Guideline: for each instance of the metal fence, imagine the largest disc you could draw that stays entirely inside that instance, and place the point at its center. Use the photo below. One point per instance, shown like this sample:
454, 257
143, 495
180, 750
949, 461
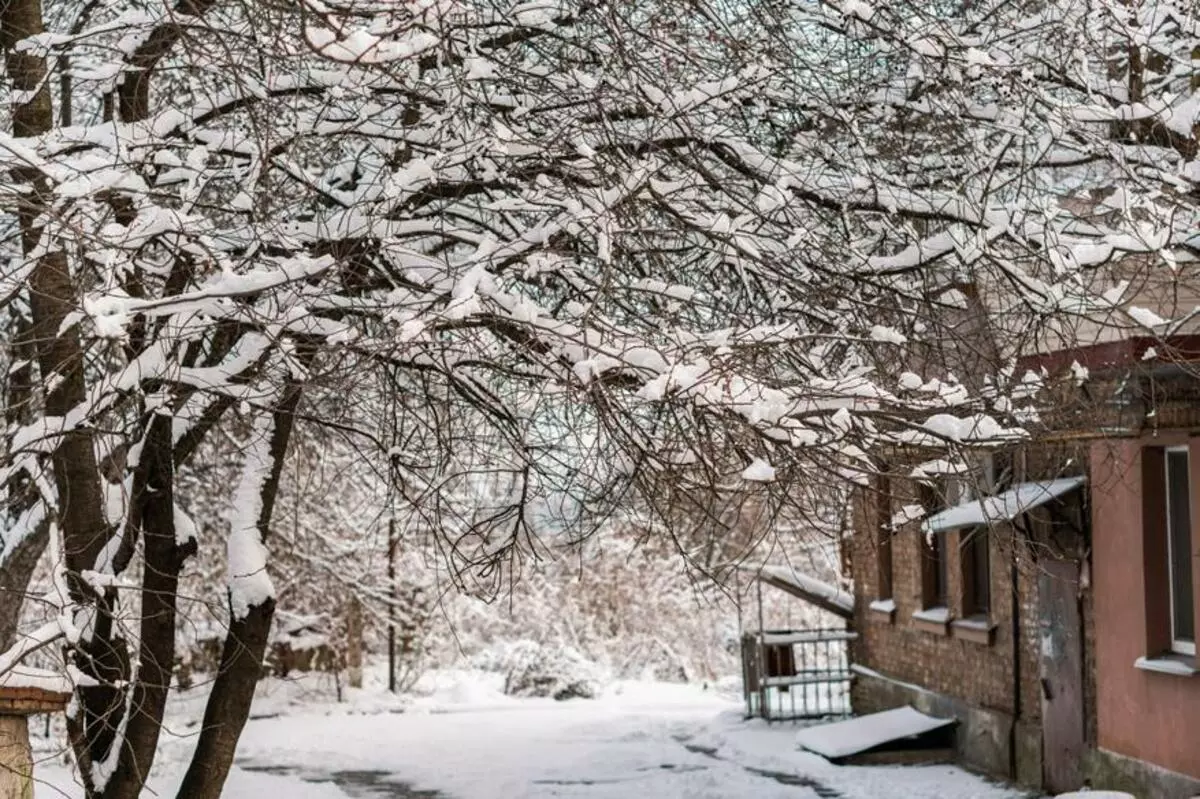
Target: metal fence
790, 675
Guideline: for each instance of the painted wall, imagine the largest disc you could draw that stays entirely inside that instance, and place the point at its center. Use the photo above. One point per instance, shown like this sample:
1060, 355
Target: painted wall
1145, 715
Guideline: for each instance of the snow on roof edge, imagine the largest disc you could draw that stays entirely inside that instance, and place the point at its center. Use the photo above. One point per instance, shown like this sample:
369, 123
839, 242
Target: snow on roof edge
38, 679
1002, 507
804, 586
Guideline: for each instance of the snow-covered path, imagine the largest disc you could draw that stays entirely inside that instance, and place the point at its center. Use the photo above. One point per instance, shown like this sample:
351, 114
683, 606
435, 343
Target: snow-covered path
610, 748
466, 741
637, 741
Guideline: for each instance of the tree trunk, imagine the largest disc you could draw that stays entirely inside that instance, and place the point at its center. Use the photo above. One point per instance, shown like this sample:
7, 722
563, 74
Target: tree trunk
15, 574
164, 558
245, 644
27, 532
52, 296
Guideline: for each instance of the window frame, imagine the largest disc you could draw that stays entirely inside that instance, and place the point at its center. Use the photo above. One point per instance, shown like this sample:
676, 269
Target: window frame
975, 548
935, 571
1179, 646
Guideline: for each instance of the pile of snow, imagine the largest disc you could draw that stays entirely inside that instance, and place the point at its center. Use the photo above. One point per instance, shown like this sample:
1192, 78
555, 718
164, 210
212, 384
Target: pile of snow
22, 676
560, 672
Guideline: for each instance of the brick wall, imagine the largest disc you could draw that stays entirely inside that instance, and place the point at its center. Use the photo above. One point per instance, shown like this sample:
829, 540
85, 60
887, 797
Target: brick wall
904, 649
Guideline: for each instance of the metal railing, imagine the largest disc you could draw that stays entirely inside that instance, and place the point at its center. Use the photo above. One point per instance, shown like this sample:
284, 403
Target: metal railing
792, 675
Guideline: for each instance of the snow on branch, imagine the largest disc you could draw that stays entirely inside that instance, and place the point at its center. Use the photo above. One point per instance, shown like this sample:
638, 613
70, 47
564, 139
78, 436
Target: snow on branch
249, 583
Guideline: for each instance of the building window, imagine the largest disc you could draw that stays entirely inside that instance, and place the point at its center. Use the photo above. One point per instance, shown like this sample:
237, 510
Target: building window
939, 573
976, 572
935, 584
1179, 550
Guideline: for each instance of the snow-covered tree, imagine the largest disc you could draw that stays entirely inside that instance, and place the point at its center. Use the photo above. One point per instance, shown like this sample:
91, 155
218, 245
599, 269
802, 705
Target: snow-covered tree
525, 255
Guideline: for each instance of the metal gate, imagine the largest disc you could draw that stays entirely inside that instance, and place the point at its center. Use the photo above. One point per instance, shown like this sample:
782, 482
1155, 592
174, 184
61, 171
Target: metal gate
791, 675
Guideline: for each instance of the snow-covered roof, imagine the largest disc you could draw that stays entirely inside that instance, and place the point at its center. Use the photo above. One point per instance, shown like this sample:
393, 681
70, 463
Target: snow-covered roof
39, 679
822, 594
1001, 507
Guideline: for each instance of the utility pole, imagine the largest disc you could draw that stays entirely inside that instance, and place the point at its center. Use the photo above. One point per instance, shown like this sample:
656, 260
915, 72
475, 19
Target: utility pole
391, 573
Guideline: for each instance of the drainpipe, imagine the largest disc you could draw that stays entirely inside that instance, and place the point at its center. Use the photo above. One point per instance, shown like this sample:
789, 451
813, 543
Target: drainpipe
1015, 577
1019, 532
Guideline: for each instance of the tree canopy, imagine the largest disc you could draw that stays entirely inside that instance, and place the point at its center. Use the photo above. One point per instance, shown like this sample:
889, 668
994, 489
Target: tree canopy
572, 245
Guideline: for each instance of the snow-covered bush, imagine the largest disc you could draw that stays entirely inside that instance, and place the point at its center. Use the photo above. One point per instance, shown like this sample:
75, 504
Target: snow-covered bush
560, 672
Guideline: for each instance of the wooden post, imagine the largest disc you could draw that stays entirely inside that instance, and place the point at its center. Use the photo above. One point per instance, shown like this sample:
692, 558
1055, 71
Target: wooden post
354, 643
23, 692
16, 758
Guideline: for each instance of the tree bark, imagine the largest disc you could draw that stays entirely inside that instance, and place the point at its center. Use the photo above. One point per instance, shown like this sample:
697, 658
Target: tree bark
79, 512
133, 97
245, 644
16, 569
164, 557
15, 574
52, 298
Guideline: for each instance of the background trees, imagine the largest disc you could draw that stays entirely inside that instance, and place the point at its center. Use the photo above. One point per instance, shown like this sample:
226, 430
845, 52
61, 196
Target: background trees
523, 260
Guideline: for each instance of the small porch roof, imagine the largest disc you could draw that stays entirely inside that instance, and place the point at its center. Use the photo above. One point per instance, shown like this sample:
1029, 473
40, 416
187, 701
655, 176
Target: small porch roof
25, 690
810, 589
1003, 507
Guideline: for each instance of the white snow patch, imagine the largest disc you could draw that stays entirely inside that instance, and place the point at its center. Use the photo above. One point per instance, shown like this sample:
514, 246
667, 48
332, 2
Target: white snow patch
1145, 317
249, 583
889, 335
759, 471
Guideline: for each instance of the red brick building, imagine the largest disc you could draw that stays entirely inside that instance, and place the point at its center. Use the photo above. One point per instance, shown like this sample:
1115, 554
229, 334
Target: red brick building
1050, 605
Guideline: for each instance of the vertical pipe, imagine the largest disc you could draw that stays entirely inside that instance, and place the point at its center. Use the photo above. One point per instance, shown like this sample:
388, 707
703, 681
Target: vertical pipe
1015, 579
826, 707
760, 644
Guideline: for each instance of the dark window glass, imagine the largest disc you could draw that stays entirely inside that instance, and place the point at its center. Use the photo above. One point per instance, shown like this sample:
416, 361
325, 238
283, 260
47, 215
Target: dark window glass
940, 581
1179, 546
977, 573
933, 553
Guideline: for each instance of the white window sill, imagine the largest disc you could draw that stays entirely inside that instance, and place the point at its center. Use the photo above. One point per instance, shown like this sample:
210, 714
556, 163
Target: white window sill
976, 629
882, 611
934, 621
933, 615
974, 623
1178, 665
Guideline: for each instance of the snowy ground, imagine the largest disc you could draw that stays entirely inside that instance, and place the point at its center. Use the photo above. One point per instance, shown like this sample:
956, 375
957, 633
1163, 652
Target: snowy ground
464, 740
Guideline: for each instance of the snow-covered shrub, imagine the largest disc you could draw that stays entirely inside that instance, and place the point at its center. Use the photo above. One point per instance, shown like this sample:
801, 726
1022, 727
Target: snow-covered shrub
301, 643
648, 658
497, 657
560, 672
